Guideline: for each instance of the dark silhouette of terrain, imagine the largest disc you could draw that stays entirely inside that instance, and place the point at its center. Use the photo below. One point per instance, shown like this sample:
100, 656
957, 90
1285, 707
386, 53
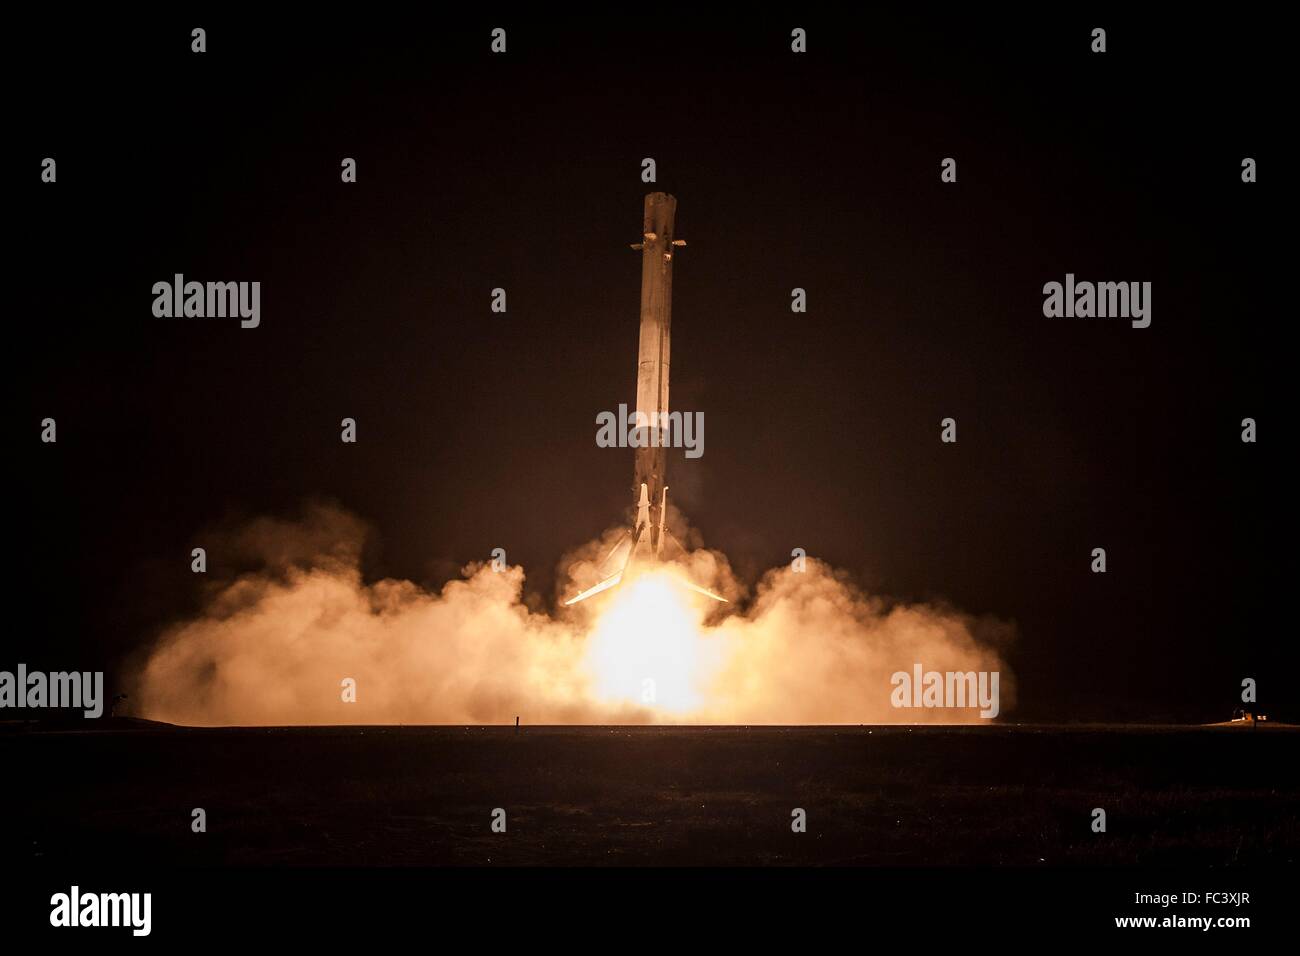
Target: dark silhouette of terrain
653, 795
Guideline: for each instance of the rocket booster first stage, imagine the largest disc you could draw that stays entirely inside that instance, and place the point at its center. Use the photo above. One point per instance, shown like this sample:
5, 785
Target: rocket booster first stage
647, 538
652, 366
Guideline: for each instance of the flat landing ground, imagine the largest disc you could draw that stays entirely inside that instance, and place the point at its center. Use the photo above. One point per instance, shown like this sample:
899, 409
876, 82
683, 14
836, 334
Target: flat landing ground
1007, 794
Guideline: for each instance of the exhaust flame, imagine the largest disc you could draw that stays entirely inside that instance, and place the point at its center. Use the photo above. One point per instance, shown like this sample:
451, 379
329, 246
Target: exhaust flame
649, 646
276, 646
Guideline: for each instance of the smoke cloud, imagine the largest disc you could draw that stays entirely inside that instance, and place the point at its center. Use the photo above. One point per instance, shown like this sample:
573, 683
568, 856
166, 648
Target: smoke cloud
275, 645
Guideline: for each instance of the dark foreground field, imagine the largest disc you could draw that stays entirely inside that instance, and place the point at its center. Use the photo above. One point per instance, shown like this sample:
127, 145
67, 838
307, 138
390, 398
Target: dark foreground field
875, 796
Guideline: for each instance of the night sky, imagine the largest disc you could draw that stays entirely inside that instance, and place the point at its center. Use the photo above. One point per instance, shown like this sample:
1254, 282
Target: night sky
522, 171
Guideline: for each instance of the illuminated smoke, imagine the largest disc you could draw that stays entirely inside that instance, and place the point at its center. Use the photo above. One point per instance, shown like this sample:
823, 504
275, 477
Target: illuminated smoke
273, 645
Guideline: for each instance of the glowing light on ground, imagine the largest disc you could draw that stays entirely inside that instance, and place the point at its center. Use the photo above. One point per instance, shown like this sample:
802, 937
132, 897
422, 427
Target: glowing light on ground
649, 646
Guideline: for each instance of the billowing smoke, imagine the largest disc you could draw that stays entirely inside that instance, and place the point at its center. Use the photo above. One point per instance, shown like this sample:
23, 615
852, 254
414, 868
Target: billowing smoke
304, 639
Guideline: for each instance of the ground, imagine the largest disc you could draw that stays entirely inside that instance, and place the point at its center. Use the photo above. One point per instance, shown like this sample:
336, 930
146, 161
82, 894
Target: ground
651, 795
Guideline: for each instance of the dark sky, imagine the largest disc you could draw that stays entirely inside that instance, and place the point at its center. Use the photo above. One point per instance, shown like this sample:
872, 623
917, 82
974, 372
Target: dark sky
523, 171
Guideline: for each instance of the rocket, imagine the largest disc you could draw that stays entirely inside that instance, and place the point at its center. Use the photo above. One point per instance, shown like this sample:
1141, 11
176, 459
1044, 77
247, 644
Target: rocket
649, 539
652, 366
